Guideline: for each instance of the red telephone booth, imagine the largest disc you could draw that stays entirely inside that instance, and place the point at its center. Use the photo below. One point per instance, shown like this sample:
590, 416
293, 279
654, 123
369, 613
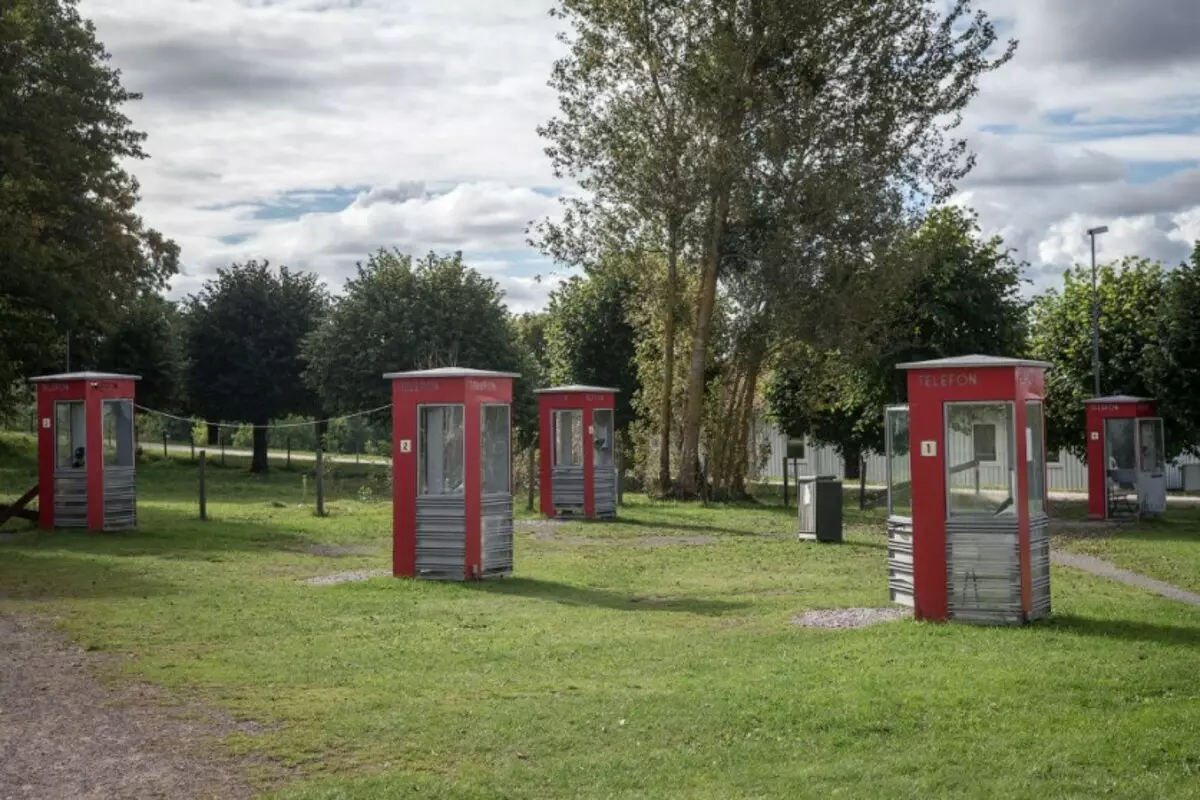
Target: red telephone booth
980, 549
452, 513
86, 460
576, 430
1127, 470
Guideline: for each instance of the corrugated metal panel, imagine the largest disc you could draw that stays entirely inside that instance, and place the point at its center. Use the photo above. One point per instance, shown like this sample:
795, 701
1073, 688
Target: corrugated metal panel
441, 537
605, 482
567, 483
1039, 562
120, 499
497, 532
900, 561
983, 572
70, 498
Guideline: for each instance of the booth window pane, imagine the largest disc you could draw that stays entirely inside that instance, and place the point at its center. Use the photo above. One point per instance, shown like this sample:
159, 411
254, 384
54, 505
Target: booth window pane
899, 463
69, 435
976, 485
1035, 456
602, 436
117, 418
1150, 437
568, 438
1120, 449
496, 440
440, 450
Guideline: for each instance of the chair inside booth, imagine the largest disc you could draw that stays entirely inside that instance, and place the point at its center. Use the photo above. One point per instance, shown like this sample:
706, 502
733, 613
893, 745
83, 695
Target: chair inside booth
604, 474
566, 473
441, 502
899, 504
70, 464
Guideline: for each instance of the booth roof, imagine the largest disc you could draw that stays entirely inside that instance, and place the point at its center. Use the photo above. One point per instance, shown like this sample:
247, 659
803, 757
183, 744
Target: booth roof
576, 389
85, 376
967, 362
1117, 398
449, 372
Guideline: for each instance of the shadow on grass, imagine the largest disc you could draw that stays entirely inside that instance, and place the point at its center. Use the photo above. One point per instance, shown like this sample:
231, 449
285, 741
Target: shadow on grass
1129, 630
33, 575
603, 598
162, 534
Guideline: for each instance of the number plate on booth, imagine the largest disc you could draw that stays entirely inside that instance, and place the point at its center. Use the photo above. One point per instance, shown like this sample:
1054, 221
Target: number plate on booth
929, 449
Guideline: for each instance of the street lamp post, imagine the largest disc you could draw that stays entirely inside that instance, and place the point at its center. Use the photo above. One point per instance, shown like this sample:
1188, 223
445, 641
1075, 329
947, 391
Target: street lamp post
1092, 234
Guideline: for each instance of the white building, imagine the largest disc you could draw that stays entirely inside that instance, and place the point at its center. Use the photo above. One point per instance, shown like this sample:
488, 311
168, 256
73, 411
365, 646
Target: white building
1065, 472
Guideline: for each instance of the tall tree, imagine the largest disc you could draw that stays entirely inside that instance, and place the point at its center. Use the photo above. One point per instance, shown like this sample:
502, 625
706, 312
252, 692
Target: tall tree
1174, 364
1130, 295
147, 340
243, 342
590, 339
626, 134
821, 103
403, 314
72, 250
965, 299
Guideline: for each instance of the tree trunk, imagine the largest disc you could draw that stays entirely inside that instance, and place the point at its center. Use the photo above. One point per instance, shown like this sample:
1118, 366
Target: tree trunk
705, 304
214, 434
862, 483
668, 379
258, 461
852, 455
745, 420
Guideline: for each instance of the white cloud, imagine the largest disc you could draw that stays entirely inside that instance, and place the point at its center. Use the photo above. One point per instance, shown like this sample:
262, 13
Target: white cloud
279, 102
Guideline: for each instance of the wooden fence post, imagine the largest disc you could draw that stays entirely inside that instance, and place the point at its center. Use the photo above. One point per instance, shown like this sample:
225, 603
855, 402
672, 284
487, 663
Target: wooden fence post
320, 479
164, 444
289, 452
192, 442
203, 488
785, 481
532, 474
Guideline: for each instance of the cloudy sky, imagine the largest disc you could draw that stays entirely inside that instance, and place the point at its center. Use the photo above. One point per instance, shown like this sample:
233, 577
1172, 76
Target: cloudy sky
311, 132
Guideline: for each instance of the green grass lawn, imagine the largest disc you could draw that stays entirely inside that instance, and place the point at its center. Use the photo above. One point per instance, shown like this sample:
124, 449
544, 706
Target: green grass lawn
654, 657
1167, 549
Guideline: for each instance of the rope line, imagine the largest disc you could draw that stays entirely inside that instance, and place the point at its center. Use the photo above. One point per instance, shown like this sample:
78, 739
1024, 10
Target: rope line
235, 426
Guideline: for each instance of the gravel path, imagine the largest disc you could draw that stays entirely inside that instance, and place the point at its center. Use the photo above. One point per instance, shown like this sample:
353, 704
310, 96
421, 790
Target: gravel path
63, 734
849, 617
1104, 569
347, 577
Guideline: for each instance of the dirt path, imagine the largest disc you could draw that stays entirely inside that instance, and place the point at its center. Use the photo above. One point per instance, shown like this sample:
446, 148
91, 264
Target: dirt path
63, 734
1104, 569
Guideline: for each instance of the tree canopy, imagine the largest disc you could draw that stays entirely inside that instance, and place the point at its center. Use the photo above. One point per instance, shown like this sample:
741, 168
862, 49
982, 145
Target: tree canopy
1130, 294
243, 343
590, 339
814, 125
400, 314
72, 251
965, 299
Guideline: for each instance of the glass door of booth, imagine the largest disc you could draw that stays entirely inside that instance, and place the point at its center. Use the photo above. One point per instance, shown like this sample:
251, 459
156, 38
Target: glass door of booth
567, 472
1121, 468
604, 476
899, 506
70, 464
899, 462
1152, 466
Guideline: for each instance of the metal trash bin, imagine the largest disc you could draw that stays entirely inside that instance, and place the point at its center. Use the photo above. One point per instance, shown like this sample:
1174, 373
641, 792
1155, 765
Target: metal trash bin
1191, 477
819, 508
